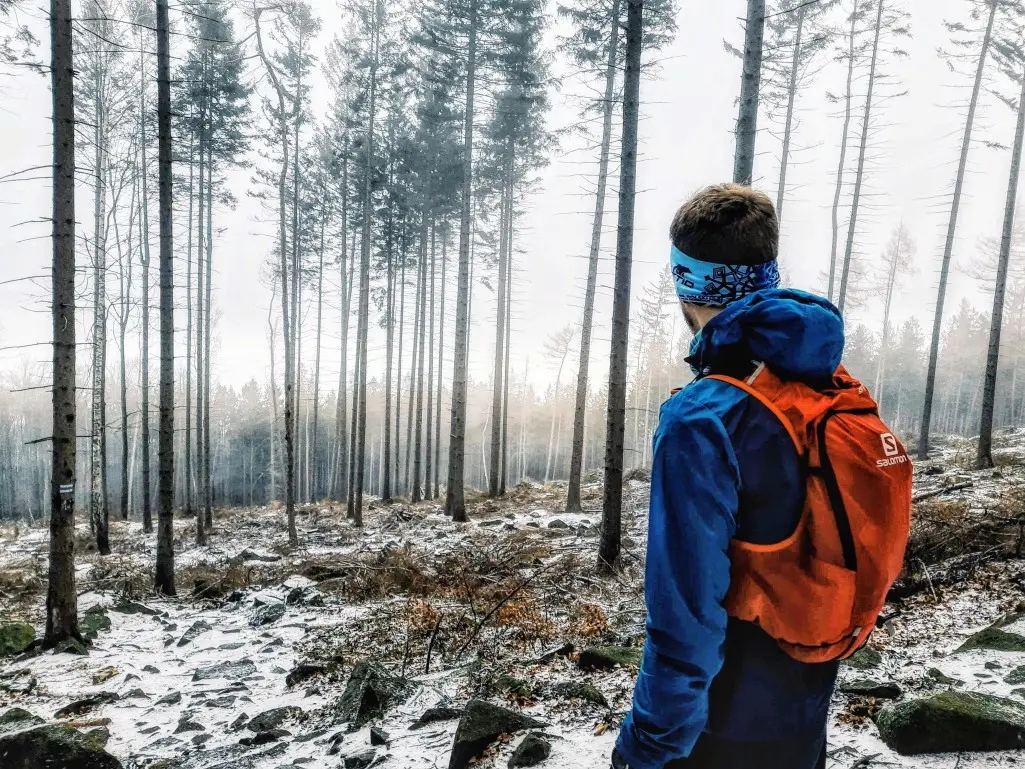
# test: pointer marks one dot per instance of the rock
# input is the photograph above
(21, 682)
(939, 677)
(100, 735)
(71, 646)
(272, 719)
(496, 522)
(18, 718)
(563, 651)
(124, 605)
(952, 722)
(1016, 676)
(150, 730)
(369, 693)
(865, 658)
(93, 621)
(198, 628)
(201, 739)
(379, 736)
(266, 615)
(580, 690)
(103, 675)
(238, 723)
(360, 760)
(517, 687)
(151, 669)
(54, 745)
(481, 725)
(994, 639)
(304, 671)
(1018, 693)
(186, 724)
(230, 647)
(78, 707)
(609, 657)
(558, 523)
(866, 687)
(993, 666)
(295, 596)
(170, 699)
(225, 701)
(231, 670)
(135, 694)
(15, 638)
(532, 751)
(264, 737)
(434, 715)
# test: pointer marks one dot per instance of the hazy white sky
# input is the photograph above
(687, 140)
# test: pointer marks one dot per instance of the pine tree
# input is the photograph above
(750, 87)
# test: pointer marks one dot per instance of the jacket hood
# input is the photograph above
(798, 335)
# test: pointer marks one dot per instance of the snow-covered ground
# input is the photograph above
(484, 599)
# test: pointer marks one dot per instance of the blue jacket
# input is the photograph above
(724, 467)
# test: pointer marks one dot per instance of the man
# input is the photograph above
(715, 692)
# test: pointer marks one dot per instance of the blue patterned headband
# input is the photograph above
(717, 285)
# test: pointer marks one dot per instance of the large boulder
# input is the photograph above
(481, 725)
(994, 639)
(54, 745)
(17, 718)
(15, 637)
(609, 657)
(952, 722)
(1016, 677)
(371, 691)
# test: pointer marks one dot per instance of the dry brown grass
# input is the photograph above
(588, 620)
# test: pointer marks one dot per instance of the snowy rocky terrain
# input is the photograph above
(261, 661)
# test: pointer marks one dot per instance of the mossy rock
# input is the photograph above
(532, 751)
(15, 638)
(93, 621)
(371, 691)
(518, 687)
(18, 718)
(54, 745)
(865, 687)
(994, 639)
(610, 657)
(937, 675)
(1016, 677)
(952, 722)
(481, 725)
(580, 690)
(865, 658)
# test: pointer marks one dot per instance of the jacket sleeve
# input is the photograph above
(695, 484)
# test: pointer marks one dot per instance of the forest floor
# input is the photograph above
(462, 611)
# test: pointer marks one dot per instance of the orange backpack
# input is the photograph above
(820, 592)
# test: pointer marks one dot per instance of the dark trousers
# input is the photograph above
(710, 753)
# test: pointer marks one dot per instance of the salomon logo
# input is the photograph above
(891, 448)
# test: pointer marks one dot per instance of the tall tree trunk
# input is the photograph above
(573, 502)
(356, 509)
(499, 368)
(61, 598)
(508, 349)
(389, 352)
(455, 503)
(789, 125)
(608, 553)
(314, 485)
(837, 194)
(441, 364)
(125, 286)
(201, 309)
(884, 341)
(289, 431)
(164, 581)
(860, 175)
(339, 472)
(209, 306)
(188, 484)
(429, 449)
(417, 489)
(147, 500)
(272, 484)
(948, 247)
(985, 454)
(750, 86)
(400, 482)
(411, 408)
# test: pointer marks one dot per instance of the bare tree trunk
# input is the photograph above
(125, 286)
(508, 349)
(61, 598)
(455, 503)
(340, 466)
(411, 408)
(848, 98)
(189, 485)
(400, 482)
(573, 503)
(209, 306)
(272, 332)
(429, 450)
(948, 248)
(386, 480)
(314, 486)
(417, 489)
(985, 454)
(147, 502)
(750, 86)
(608, 554)
(164, 581)
(499, 368)
(356, 509)
(201, 308)
(860, 176)
(441, 364)
(884, 341)
(293, 534)
(789, 126)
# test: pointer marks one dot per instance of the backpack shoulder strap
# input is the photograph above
(761, 373)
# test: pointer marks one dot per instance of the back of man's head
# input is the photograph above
(727, 224)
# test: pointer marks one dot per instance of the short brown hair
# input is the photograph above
(727, 224)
